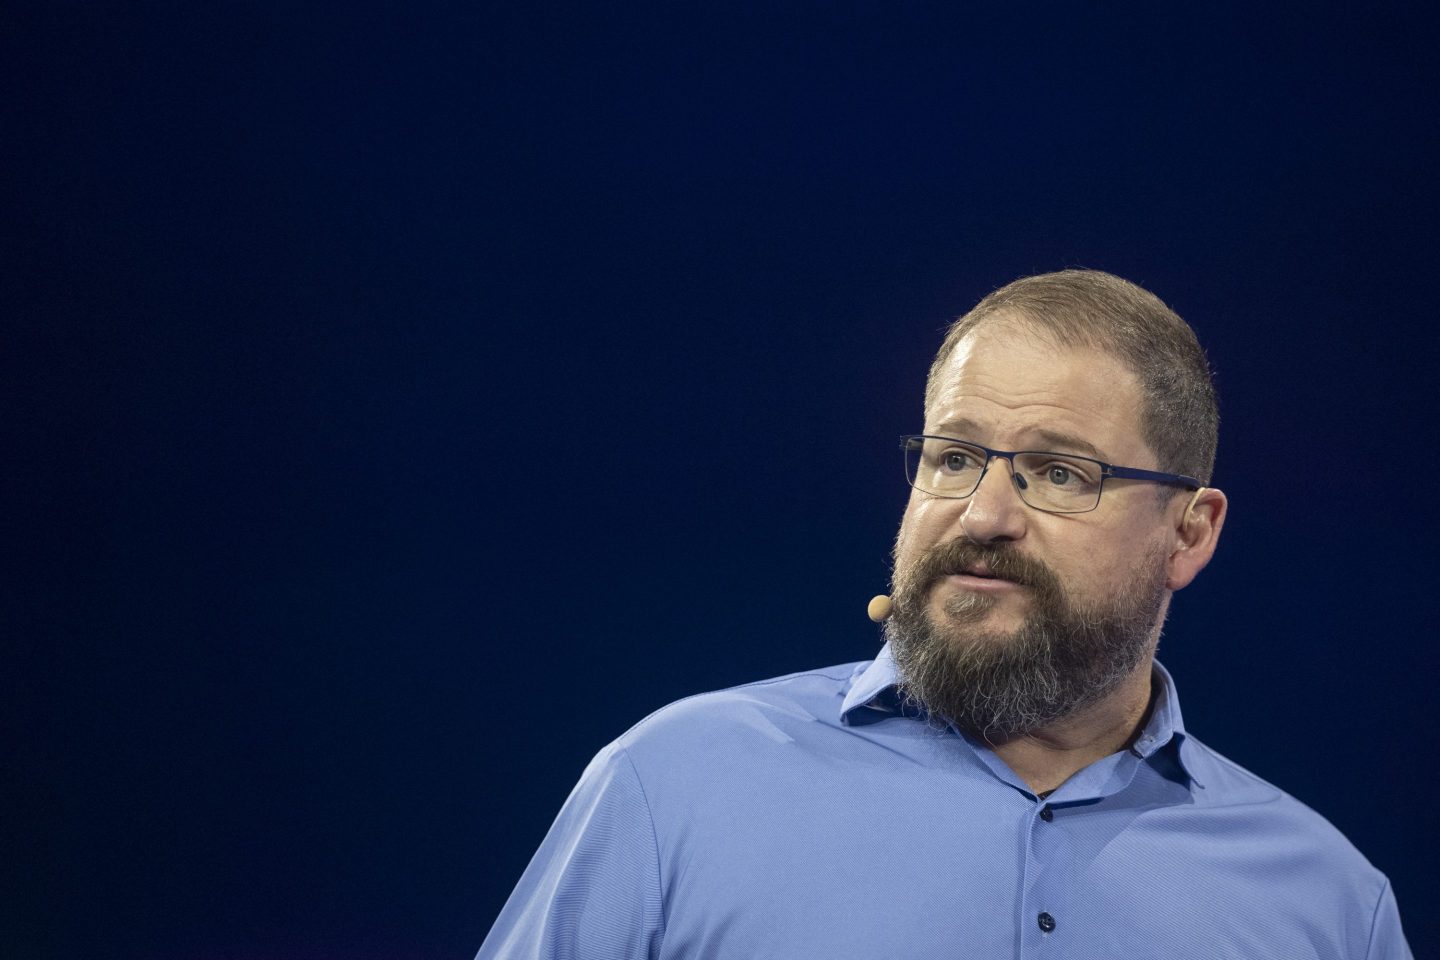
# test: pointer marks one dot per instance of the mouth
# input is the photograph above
(979, 576)
(981, 571)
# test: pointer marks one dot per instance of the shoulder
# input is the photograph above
(742, 731)
(765, 707)
(1266, 813)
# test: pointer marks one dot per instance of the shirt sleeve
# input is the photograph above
(592, 890)
(1387, 940)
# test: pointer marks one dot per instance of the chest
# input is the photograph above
(929, 872)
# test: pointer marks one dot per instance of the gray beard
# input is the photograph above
(1062, 659)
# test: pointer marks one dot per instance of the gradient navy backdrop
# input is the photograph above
(401, 402)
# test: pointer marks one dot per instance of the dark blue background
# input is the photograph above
(400, 403)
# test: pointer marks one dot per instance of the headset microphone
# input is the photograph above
(1193, 500)
(879, 608)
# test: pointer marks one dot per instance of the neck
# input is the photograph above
(1048, 757)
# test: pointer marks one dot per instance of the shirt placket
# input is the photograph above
(1047, 883)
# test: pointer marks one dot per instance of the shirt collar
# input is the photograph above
(874, 695)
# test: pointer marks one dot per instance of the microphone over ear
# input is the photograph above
(1190, 508)
(879, 607)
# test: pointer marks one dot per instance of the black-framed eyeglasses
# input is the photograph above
(1052, 482)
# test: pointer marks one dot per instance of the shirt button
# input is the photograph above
(1046, 813)
(1047, 922)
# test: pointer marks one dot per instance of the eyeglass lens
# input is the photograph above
(1046, 481)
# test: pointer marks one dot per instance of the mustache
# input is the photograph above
(958, 555)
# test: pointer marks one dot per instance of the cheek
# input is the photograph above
(1106, 566)
(921, 527)
(1079, 553)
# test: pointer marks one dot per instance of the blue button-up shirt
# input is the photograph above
(811, 817)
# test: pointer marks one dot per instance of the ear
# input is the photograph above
(1197, 531)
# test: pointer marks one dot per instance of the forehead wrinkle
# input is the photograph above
(960, 393)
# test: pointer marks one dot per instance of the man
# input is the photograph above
(1010, 776)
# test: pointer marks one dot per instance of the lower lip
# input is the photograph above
(965, 581)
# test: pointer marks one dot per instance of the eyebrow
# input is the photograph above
(1058, 440)
(1068, 441)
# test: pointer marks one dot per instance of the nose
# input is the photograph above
(994, 513)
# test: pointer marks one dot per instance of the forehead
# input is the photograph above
(1016, 386)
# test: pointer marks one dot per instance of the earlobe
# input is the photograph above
(1197, 533)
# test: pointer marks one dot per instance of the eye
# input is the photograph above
(1061, 474)
(957, 461)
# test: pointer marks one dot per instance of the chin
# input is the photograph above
(966, 609)
(968, 627)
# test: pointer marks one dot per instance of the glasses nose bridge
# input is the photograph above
(1016, 482)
